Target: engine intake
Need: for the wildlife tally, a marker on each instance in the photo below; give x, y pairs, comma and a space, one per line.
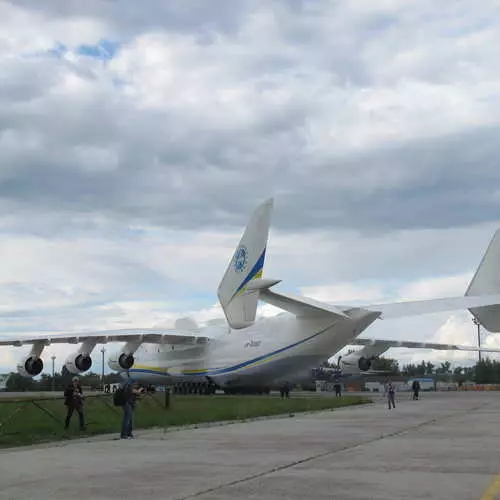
31, 367
364, 364
78, 363
122, 363
126, 361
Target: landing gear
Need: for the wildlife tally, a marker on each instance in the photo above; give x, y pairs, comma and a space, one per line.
245, 390
199, 388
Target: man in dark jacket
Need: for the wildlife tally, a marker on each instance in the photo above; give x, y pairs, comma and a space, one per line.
73, 399
131, 391
338, 389
416, 389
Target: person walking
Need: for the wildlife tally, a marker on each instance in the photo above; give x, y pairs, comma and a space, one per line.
391, 395
73, 399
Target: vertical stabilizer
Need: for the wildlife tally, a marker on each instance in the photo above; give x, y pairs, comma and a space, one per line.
238, 302
486, 281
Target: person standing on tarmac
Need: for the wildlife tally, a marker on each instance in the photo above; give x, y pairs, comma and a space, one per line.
391, 395
131, 391
338, 389
416, 389
73, 399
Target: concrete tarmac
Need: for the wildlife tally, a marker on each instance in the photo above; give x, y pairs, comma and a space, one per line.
445, 446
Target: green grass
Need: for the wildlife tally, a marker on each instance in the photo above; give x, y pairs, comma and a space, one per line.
22, 422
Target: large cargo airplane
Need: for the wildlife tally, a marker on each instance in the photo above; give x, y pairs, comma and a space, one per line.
243, 351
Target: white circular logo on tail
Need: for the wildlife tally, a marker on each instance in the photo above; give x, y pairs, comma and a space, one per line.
240, 259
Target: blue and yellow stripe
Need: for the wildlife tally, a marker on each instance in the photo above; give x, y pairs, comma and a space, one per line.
251, 363
255, 273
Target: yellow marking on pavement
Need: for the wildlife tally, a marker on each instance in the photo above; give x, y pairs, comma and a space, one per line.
493, 492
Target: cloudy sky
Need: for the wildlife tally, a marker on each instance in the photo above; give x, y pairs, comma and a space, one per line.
135, 142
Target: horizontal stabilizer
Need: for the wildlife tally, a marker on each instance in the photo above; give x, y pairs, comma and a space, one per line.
300, 306
261, 284
418, 345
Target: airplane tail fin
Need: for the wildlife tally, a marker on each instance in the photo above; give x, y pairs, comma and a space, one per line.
236, 294
486, 281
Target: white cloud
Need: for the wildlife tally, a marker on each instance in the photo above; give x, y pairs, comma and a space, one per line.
434, 288
25, 31
344, 293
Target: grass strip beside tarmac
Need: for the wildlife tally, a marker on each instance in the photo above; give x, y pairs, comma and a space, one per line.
37, 420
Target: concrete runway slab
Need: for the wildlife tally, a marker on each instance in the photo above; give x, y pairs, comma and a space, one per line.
442, 447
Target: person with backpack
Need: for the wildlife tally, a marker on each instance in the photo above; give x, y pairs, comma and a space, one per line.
125, 396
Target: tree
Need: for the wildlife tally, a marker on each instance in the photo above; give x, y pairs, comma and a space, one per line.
429, 368
410, 369
444, 368
421, 369
386, 364
487, 372
17, 383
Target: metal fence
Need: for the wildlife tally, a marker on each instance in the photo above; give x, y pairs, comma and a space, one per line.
22, 417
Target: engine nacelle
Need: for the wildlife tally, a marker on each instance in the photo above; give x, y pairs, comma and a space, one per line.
31, 367
122, 362
364, 364
78, 363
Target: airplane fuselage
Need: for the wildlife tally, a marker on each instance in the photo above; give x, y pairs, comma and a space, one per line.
270, 349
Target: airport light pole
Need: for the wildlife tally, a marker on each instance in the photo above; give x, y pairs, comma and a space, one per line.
53, 358
103, 350
476, 322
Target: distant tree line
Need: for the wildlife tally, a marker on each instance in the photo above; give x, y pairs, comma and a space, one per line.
60, 380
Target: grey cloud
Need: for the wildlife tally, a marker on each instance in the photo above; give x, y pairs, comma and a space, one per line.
24, 81
433, 183
211, 180
176, 170
128, 18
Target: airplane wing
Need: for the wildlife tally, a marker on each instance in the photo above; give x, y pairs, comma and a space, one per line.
412, 308
305, 306
419, 345
145, 335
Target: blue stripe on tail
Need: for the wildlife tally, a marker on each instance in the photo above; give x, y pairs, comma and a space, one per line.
259, 265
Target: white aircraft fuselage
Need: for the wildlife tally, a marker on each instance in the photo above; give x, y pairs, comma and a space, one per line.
270, 349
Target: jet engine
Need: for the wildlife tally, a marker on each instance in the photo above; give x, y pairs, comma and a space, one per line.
121, 362
364, 364
31, 367
78, 363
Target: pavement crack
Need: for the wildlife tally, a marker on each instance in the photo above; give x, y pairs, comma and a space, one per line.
327, 453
